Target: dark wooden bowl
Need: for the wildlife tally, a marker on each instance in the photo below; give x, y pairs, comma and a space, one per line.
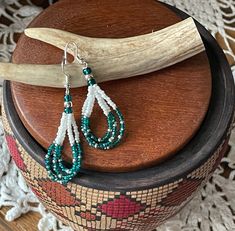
163, 110
137, 200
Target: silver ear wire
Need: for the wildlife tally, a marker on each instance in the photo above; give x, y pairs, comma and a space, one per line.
64, 62
68, 46
65, 56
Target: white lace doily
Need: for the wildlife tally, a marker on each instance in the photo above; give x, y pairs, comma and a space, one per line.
213, 209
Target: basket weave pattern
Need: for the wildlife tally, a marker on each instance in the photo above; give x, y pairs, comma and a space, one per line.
86, 208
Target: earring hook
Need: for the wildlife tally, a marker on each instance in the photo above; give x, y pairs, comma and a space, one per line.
65, 56
65, 62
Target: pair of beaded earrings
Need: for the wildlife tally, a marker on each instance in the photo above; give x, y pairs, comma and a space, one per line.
56, 169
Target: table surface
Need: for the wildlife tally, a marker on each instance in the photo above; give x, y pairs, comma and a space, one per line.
28, 221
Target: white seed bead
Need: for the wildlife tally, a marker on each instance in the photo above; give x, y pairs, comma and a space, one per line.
109, 101
104, 106
111, 139
89, 103
61, 130
67, 123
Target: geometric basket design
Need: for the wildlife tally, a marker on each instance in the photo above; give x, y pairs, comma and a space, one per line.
85, 208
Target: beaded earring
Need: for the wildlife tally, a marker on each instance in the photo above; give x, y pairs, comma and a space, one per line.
115, 130
53, 159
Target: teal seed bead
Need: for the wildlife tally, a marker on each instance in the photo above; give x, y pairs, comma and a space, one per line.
67, 98
68, 110
54, 163
111, 137
91, 82
77, 152
86, 71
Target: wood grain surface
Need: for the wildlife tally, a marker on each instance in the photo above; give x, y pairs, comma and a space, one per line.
163, 110
27, 222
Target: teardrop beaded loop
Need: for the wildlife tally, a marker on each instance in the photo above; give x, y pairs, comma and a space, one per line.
115, 129
56, 169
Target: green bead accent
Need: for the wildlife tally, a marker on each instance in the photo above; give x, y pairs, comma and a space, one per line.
67, 98
86, 71
108, 134
111, 138
68, 110
91, 82
54, 163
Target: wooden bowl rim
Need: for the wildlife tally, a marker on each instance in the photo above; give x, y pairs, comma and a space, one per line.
218, 120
